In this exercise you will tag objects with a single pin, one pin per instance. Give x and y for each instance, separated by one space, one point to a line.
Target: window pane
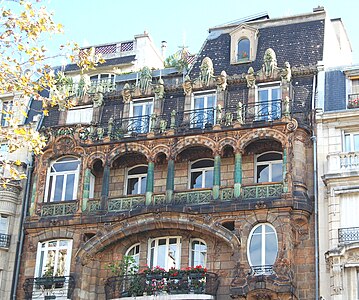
243 49
271 248
132 186
58 187
208 179
263 173
196 180
347 147
172 255
276 94
356 142
204 163
143 185
263 95
70 185
199 103
269 156
137 110
138 170
161 255
66 166
277 172
255 250
210 101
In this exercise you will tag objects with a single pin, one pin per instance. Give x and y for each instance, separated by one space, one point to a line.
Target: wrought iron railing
353 100
61 208
195 119
262 191
49 287
262 270
130 126
349 160
4 240
156 284
262 111
348 235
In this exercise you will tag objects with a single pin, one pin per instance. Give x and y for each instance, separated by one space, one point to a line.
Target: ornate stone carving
221 81
251 78
187 86
126 93
292 125
286 72
229 118
97 100
159 89
145 80
206 73
270 62
64 145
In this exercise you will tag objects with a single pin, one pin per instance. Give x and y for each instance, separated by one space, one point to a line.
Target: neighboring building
338 166
12 193
215 169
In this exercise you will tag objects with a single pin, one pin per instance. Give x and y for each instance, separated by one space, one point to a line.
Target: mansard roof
298 40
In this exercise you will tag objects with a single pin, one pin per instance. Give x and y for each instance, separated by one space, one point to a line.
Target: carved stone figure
206 73
251 78
187 86
126 93
159 89
239 112
218 114
97 100
110 126
270 62
286 109
173 119
286 73
163 125
222 81
229 118
153 122
100 132
145 80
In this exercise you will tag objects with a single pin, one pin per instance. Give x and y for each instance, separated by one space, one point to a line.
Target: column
170 182
33 197
216 176
237 174
86 189
284 171
150 182
105 185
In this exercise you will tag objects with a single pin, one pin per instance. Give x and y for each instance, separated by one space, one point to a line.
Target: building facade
211 173
338 184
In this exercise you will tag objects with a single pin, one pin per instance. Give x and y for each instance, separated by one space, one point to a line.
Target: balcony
260 191
49 287
348 235
353 100
127 127
114 50
343 162
4 240
61 208
182 285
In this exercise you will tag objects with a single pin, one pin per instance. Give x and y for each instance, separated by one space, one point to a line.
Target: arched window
134 252
165 252
198 253
262 248
62 179
269 167
243 48
201 174
136 180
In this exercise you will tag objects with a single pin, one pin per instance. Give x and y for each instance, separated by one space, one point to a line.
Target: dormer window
243 49
244 40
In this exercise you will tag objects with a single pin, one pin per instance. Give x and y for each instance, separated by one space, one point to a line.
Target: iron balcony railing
161 283
59 287
4 240
262 270
348 235
195 119
262 111
130 126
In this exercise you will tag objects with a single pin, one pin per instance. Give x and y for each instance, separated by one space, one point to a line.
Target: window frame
270 164
155 252
135 256
4 151
4 115
135 176
49 194
203 170
262 270
191 250
245 59
206 108
269 87
144 102
351 135
7 224
79 111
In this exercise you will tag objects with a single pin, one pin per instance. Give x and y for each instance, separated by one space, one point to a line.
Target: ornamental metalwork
193 197
159 199
348 235
263 111
195 119
262 191
49 287
226 194
59 208
5 240
125 203
130 126
93 205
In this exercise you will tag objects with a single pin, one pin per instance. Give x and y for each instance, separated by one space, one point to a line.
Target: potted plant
47 279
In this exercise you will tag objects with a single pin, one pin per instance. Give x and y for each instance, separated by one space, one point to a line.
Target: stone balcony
342 163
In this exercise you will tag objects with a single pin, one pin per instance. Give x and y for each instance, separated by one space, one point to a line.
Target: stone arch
157 150
187 142
261 133
128 148
61 233
184 222
227 141
95 156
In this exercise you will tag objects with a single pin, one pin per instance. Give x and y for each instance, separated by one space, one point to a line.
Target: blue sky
91 22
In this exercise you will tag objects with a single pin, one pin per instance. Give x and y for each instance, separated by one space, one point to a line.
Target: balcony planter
45 282
353 103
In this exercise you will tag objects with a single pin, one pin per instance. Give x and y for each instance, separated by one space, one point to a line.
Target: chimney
163 49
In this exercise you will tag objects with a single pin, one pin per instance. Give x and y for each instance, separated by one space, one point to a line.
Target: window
140 116
203 107
62 179
268 106
134 251
6 111
243 49
4 151
165 252
351 142
53 258
102 82
136 180
4 231
201 174
198 253
80 114
269 167
262 248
